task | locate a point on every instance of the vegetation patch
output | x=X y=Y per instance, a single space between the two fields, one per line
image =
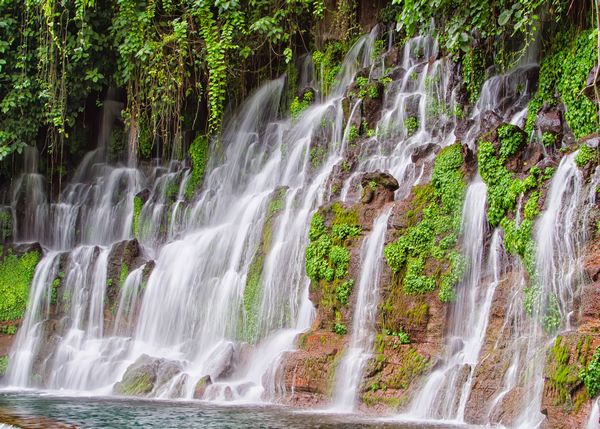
x=563 y=73
x=503 y=191
x=3 y=365
x=586 y=155
x=590 y=375
x=563 y=367
x=432 y=240
x=198 y=153
x=16 y=274
x=328 y=259
x=252 y=295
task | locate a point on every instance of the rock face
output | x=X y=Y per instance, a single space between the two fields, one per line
x=592 y=88
x=146 y=375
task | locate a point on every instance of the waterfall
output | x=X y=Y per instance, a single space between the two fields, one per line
x=558 y=269
x=350 y=370
x=204 y=307
x=594 y=419
x=445 y=394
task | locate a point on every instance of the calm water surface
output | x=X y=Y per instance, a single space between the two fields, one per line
x=44 y=411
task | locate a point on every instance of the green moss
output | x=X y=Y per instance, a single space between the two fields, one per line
x=548 y=139
x=137 y=210
x=328 y=258
x=473 y=72
x=410 y=367
x=253 y=290
x=511 y=139
x=343 y=291
x=16 y=274
x=138 y=385
x=8 y=329
x=123 y=274
x=340 y=329
x=198 y=152
x=434 y=220
x=564 y=365
x=585 y=155
x=3 y=365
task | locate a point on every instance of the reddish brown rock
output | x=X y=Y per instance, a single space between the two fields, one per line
x=378 y=188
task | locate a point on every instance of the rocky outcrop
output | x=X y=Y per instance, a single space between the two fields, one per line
x=378 y=188
x=146 y=376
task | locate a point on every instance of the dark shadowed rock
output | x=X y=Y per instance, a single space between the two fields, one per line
x=592 y=89
x=424 y=151
x=549 y=120
x=378 y=188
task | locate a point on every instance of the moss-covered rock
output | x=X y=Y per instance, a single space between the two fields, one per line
x=146 y=375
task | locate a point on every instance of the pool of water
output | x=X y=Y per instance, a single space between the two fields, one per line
x=35 y=410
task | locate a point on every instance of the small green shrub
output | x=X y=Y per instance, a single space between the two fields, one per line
x=344 y=290
x=511 y=139
x=591 y=375
x=412 y=125
x=548 y=139
x=340 y=329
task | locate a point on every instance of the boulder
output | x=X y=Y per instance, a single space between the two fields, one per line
x=201 y=386
x=549 y=120
x=146 y=375
x=378 y=188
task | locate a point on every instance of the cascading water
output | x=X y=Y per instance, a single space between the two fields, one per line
x=196 y=309
x=350 y=370
x=594 y=419
x=445 y=394
x=417 y=115
x=558 y=271
x=227 y=292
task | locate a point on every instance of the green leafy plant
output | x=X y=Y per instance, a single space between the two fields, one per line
x=591 y=375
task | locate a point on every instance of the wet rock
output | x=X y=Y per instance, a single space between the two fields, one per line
x=490 y=121
x=124 y=257
x=592 y=89
x=201 y=386
x=143 y=195
x=531 y=155
x=378 y=188
x=462 y=128
x=228 y=393
x=146 y=375
x=592 y=140
x=310 y=370
x=424 y=151
x=372 y=107
x=392 y=57
x=564 y=393
x=20 y=249
x=550 y=120
x=244 y=388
